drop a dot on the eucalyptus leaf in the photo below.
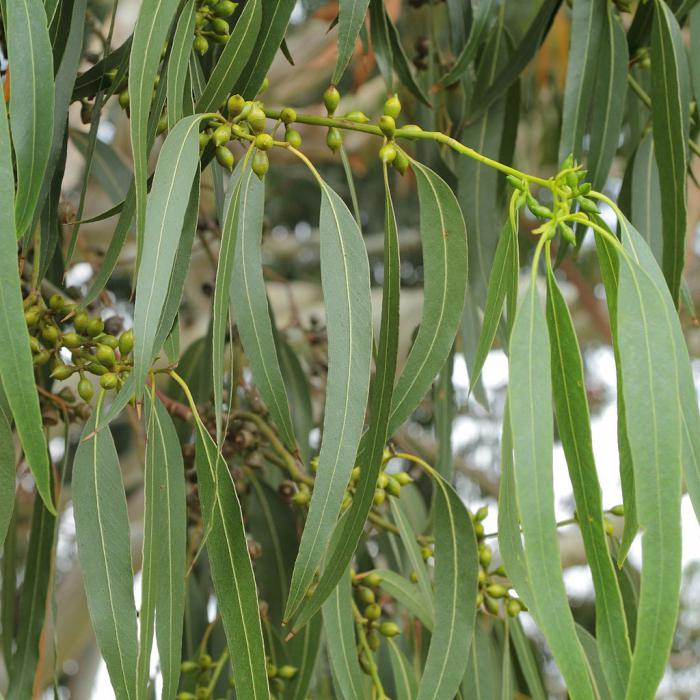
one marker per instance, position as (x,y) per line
(351,19)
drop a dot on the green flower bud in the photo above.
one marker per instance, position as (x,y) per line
(34,344)
(513,607)
(389,629)
(618,510)
(97,368)
(478,529)
(609,527)
(200,45)
(287,672)
(567,233)
(491,605)
(403,478)
(271,670)
(61,372)
(334,139)
(392,107)
(387,125)
(220,26)
(288,115)
(379,497)
(293,138)
(313,464)
(481,578)
(72,340)
(109,381)
(205,661)
(80,322)
(355,116)
(372,612)
(479,600)
(413,577)
(331,98)
(199,19)
(263,141)
(264,85)
(257,119)
(95,327)
(224,157)
(584,188)
(426,553)
(105,355)
(410,131)
(301,498)
(373,641)
(224,8)
(481,513)
(568,162)
(588,205)
(373,580)
(382,481)
(515,182)
(393,487)
(31,317)
(261,163)
(189,666)
(202,693)
(126,342)
(221,135)
(485,555)
(50,334)
(162,125)
(346,502)
(41,358)
(366,595)
(387,153)
(185,695)
(204,139)
(124,99)
(571,179)
(496,590)
(355,473)
(85,390)
(56,302)
(110,340)
(234,105)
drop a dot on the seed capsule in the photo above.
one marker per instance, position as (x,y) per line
(126,342)
(222,135)
(224,157)
(85,390)
(109,381)
(50,334)
(31,317)
(372,612)
(387,153)
(288,115)
(293,138)
(80,322)
(34,344)
(261,163)
(287,672)
(379,497)
(496,590)
(235,104)
(389,629)
(95,327)
(366,595)
(392,107)
(61,372)
(393,487)
(107,339)
(373,580)
(301,498)
(220,26)
(72,340)
(224,8)
(403,478)
(124,99)
(105,355)
(257,119)
(97,368)
(41,358)
(331,98)
(263,141)
(387,125)
(513,607)
(56,302)
(334,139)
(355,116)
(491,605)
(200,45)
(373,640)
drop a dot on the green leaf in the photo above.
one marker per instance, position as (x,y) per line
(370,453)
(232,61)
(610,86)
(573,421)
(303,652)
(231,568)
(470,333)
(648,360)
(409,595)
(646,196)
(351,20)
(164,551)
(590,647)
(7,476)
(249,299)
(150,33)
(456,569)
(587,35)
(178,63)
(530,402)
(167,204)
(345,279)
(381,42)
(95,79)
(16,369)
(444,240)
(444,414)
(404,676)
(31,101)
(482,676)
(339,631)
(500,281)
(695,51)
(102,534)
(275,17)
(32,605)
(670,104)
(526,660)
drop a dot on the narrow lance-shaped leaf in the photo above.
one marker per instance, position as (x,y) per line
(370,454)
(150,32)
(456,570)
(444,240)
(670,104)
(530,402)
(381,42)
(573,421)
(404,676)
(178,63)
(351,18)
(232,60)
(16,369)
(610,85)
(650,383)
(7,475)
(407,594)
(345,279)
(587,25)
(526,660)
(695,51)
(249,300)
(646,196)
(232,571)
(102,533)
(31,101)
(164,551)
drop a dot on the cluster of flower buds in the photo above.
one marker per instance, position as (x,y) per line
(211,23)
(390,153)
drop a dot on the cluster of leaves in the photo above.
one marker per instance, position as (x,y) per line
(293,538)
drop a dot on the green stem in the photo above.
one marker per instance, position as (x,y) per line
(374,674)
(217,671)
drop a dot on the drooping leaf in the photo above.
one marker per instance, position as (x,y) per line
(456,570)
(150,32)
(102,533)
(404,676)
(381,42)
(275,17)
(481,679)
(164,550)
(695,50)
(345,279)
(32,606)
(409,595)
(444,403)
(595,660)
(16,369)
(650,384)
(587,35)
(608,112)
(526,660)
(351,19)
(573,421)
(231,569)
(444,241)
(249,300)
(670,95)
(646,196)
(232,61)
(470,332)
(530,401)
(7,476)
(370,453)
(31,101)
(178,63)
